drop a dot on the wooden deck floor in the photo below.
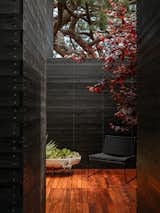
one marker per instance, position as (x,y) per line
(102,192)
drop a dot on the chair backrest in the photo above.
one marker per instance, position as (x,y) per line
(119,145)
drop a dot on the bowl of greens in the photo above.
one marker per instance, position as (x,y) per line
(60,158)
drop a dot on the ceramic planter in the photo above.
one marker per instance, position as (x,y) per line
(58,163)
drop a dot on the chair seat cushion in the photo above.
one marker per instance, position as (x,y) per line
(106,157)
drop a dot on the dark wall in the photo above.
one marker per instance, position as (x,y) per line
(11,116)
(148,162)
(37,46)
(25,44)
(77,118)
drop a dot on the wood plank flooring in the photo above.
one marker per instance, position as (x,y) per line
(104,191)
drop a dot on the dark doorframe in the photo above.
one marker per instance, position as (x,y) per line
(148,162)
(25,44)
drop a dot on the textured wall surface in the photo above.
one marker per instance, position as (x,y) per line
(37,46)
(11,116)
(25,44)
(77,118)
(148,164)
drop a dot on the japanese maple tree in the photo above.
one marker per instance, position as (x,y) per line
(116,48)
(119,57)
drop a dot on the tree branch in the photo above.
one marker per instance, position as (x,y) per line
(60,51)
(89,21)
(80,42)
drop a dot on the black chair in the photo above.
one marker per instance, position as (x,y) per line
(118,150)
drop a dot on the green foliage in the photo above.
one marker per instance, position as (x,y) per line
(102,21)
(52,152)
